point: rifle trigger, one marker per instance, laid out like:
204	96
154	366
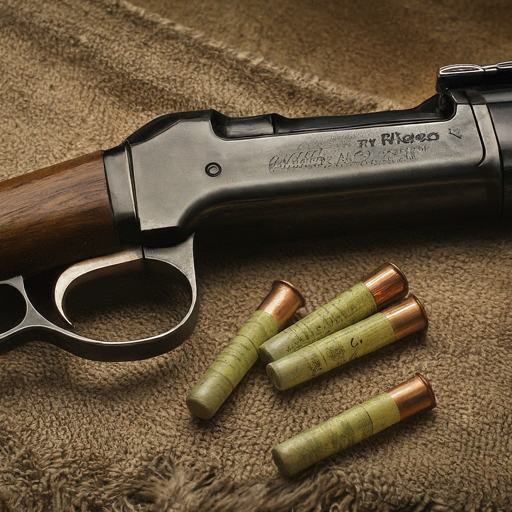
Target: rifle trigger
27	323
84	271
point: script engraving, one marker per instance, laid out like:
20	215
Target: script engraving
368	152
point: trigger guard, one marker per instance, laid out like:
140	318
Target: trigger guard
179	257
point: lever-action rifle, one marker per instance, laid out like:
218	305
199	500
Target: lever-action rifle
192	172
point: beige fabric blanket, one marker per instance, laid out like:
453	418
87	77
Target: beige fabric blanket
77	435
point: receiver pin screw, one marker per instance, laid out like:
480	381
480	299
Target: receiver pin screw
213	169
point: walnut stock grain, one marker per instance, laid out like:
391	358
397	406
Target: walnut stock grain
54	216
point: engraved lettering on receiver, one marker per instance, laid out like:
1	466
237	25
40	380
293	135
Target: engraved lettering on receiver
409	138
395	155
305	157
364	143
370	153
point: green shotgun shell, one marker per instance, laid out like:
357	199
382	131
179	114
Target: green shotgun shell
384	286
362	421
214	387
395	322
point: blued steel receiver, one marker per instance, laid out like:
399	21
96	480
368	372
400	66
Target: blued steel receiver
206	175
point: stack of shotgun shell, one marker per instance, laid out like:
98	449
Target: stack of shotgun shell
373	313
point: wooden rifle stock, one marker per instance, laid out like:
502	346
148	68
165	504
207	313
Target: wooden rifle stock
54	216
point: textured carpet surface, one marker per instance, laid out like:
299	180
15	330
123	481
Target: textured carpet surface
77	435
